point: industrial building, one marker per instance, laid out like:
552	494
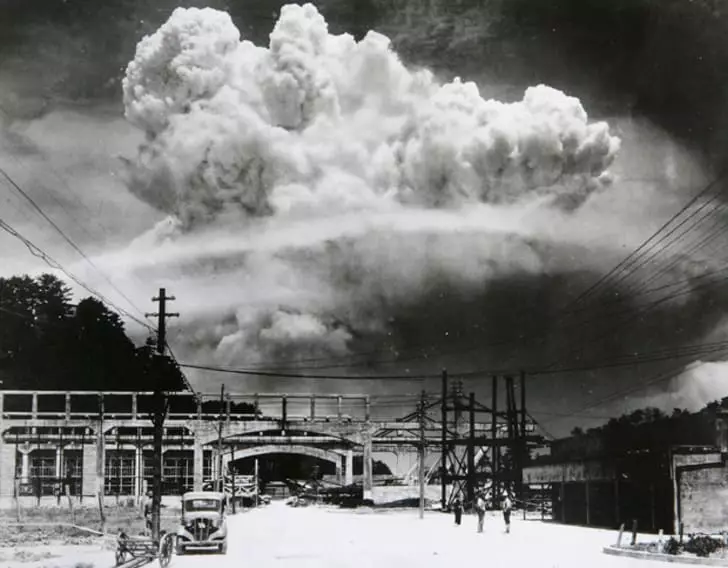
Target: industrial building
677	488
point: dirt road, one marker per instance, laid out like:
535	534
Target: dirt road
314	538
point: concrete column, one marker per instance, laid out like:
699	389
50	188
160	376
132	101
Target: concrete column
134	406
313	408
339	469
197	465
88	484
68	406
7	459
59	462
588	504
138	471
226	459
34	406
349	469
367	409
338	408
25	465
100	461
7	467
368	481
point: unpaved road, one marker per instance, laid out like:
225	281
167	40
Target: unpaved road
325	538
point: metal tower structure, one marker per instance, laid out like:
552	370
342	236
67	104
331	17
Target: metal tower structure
476	459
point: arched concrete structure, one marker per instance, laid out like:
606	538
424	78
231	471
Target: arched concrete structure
356	433
311	451
334	457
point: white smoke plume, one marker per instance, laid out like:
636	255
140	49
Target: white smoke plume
315	185
699	384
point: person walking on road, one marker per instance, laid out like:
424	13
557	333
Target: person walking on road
507	506
148	513
458	509
480	511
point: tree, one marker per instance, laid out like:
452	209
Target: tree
48	344
32	317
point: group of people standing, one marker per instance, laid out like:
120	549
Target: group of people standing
479	506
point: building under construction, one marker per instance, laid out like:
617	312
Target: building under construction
84	445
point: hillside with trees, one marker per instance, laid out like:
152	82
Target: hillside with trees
648	429
49	343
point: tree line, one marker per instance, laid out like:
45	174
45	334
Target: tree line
651	429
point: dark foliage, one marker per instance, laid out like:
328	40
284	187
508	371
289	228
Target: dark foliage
702	545
46	343
672	546
647	429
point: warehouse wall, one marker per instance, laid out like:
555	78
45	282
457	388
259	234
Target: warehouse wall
703	499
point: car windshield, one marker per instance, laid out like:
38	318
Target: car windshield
202	505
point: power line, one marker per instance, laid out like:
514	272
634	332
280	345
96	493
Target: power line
628	361
632	261
253	372
41	254
629	258
64	236
655	379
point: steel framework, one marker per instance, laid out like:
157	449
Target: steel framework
481	448
491	461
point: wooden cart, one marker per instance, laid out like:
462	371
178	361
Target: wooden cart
140	550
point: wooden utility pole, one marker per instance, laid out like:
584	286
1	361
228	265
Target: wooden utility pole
233	472
257	482
220	476
160	406
443	444
495	489
523	448
470	488
422	454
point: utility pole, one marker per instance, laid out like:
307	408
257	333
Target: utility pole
422	455
470	488
233	472
220	476
443	443
257	483
495	450
160	406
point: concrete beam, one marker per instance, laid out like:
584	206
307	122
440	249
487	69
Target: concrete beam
319	453
349	468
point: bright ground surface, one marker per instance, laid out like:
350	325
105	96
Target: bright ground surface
325	538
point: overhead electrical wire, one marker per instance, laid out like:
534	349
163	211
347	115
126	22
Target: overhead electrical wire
627	360
645	248
648	243
643	385
65	237
36	251
632	262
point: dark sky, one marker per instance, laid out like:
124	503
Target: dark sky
660	60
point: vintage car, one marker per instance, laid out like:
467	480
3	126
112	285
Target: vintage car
203	524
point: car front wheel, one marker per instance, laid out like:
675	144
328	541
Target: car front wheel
223	548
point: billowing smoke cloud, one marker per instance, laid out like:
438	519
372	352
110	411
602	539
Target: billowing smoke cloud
317	188
699	384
